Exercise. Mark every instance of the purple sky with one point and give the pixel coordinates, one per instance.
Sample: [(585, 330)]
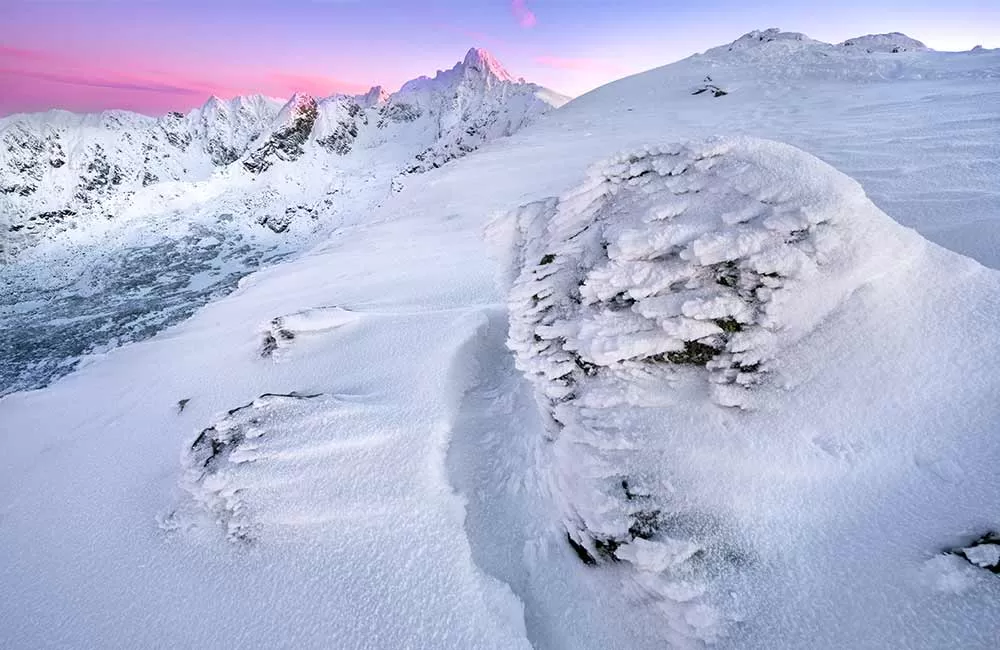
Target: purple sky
[(159, 55)]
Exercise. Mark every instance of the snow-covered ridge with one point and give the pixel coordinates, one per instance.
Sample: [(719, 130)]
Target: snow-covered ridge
[(771, 38), (892, 43), (59, 169)]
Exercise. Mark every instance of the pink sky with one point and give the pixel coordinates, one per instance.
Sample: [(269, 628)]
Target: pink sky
[(158, 55)]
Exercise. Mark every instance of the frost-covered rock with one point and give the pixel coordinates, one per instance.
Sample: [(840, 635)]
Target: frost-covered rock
[(282, 331), (983, 553), (709, 89), (697, 258), (673, 274), (213, 463)]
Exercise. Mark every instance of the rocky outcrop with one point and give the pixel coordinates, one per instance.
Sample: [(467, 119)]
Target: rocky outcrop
[(983, 552), (350, 117), (292, 129), (675, 275)]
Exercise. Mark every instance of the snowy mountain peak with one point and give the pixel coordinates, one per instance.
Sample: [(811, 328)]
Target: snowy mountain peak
[(292, 128), (374, 97), (214, 103), (794, 51), (482, 61), (756, 38), (892, 42), (298, 104)]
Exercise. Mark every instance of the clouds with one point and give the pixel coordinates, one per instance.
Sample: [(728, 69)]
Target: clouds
[(100, 81), (38, 79), (525, 17)]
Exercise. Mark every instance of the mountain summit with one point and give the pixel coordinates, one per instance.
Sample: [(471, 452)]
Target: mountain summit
[(481, 60)]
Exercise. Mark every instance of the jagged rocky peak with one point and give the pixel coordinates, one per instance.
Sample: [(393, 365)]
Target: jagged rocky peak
[(290, 132), (892, 42), (374, 97), (298, 107), (481, 61), (214, 103), (477, 67)]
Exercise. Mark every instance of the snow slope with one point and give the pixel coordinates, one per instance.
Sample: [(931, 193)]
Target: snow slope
[(187, 490)]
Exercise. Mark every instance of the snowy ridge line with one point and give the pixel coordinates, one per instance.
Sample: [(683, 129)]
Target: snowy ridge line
[(60, 171), (782, 56), (675, 273)]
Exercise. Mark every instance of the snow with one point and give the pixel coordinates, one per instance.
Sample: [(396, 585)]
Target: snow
[(783, 307), (388, 478), (893, 43), (266, 177), (984, 555)]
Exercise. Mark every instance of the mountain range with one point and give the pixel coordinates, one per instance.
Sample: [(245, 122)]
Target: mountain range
[(60, 169)]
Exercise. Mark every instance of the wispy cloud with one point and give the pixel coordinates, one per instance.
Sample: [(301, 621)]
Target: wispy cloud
[(42, 78), (525, 17), (97, 81), (22, 54)]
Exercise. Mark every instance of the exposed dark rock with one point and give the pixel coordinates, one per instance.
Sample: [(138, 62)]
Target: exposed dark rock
[(287, 142), (710, 88), (397, 112), (20, 190), (56, 215), (581, 551), (342, 139), (279, 223)]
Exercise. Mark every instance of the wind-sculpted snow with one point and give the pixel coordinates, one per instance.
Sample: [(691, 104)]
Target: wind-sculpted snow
[(283, 331), (213, 463), (677, 279)]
